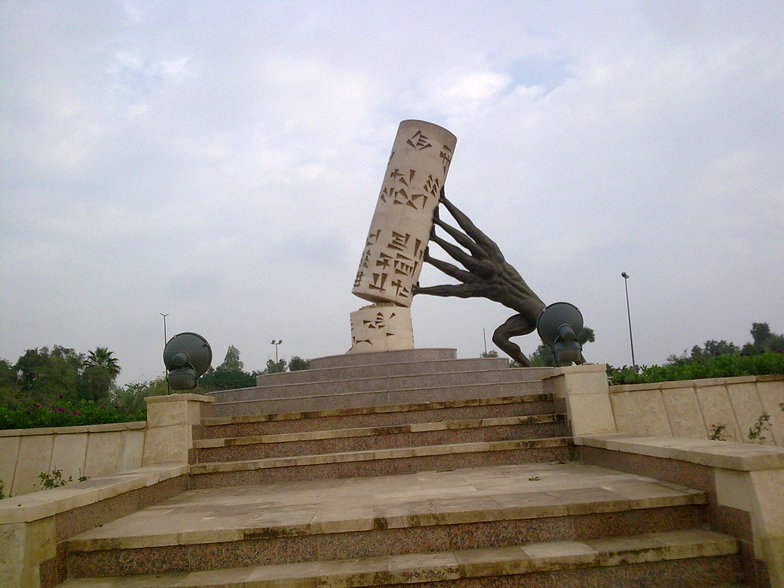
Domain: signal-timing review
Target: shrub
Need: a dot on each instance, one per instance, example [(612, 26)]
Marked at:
[(722, 366), (65, 414)]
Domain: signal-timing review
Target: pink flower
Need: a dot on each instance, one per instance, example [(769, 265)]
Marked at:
[(75, 413)]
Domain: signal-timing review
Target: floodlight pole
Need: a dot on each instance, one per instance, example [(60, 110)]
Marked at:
[(165, 338), (625, 277), (276, 343), (165, 341)]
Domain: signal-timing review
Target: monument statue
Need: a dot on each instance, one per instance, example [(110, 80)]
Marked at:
[(487, 274), (399, 230), (403, 223)]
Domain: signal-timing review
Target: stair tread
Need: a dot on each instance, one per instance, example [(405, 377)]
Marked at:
[(376, 454), (449, 565), (343, 433), (381, 408), (396, 501), (398, 391)]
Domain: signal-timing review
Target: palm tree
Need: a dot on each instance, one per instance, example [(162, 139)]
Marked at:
[(104, 358)]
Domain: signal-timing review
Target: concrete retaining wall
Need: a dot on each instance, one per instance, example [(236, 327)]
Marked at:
[(693, 408), (87, 450)]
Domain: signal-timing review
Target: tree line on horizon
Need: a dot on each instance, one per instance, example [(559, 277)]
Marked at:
[(60, 376), (48, 377)]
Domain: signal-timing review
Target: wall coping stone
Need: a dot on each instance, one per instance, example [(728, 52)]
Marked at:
[(179, 398), (586, 368), (102, 428), (46, 503), (718, 454), (695, 383)]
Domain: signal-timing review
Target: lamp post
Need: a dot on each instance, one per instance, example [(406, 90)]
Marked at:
[(276, 343), (165, 338), (165, 341), (625, 277)]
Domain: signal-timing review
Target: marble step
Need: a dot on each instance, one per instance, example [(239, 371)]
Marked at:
[(376, 462), (325, 520), (693, 558), (285, 389), (383, 357), (377, 416), (384, 437), (312, 402), (380, 370)]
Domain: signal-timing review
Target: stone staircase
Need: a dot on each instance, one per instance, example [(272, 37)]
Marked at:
[(404, 468)]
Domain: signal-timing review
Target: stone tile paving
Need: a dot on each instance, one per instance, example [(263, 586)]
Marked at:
[(340, 505)]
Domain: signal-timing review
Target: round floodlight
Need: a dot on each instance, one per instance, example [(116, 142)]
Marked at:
[(559, 325), (555, 318), (186, 356)]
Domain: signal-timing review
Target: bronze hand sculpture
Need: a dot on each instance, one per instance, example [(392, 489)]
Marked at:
[(488, 275)]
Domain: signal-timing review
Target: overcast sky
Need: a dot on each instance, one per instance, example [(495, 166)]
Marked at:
[(220, 162)]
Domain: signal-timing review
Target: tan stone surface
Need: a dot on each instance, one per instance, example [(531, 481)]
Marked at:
[(647, 410), (748, 408), (719, 454), (683, 412), (69, 454), (400, 229), (35, 455), (590, 413), (717, 410), (166, 445), (133, 450), (771, 394), (619, 400), (443, 566), (9, 449), (162, 414), (23, 546), (734, 489), (381, 327), (341, 505), (104, 452)]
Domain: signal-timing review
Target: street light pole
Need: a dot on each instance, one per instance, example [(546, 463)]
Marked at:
[(276, 343), (625, 277), (165, 338), (165, 341)]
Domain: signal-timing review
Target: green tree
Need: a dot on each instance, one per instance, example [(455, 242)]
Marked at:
[(130, 398), (45, 375), (274, 367), (10, 390), (489, 354), (94, 383), (227, 375), (99, 371), (232, 359), (102, 357), (763, 339), (296, 363)]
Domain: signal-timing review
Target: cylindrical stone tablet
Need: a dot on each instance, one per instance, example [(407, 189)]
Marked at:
[(392, 257), (381, 327)]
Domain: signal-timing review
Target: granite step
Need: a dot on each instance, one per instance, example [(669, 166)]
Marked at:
[(430, 512), (694, 558), (384, 437), (378, 462), (385, 357), (393, 369), (380, 397), (285, 389), (377, 416)]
